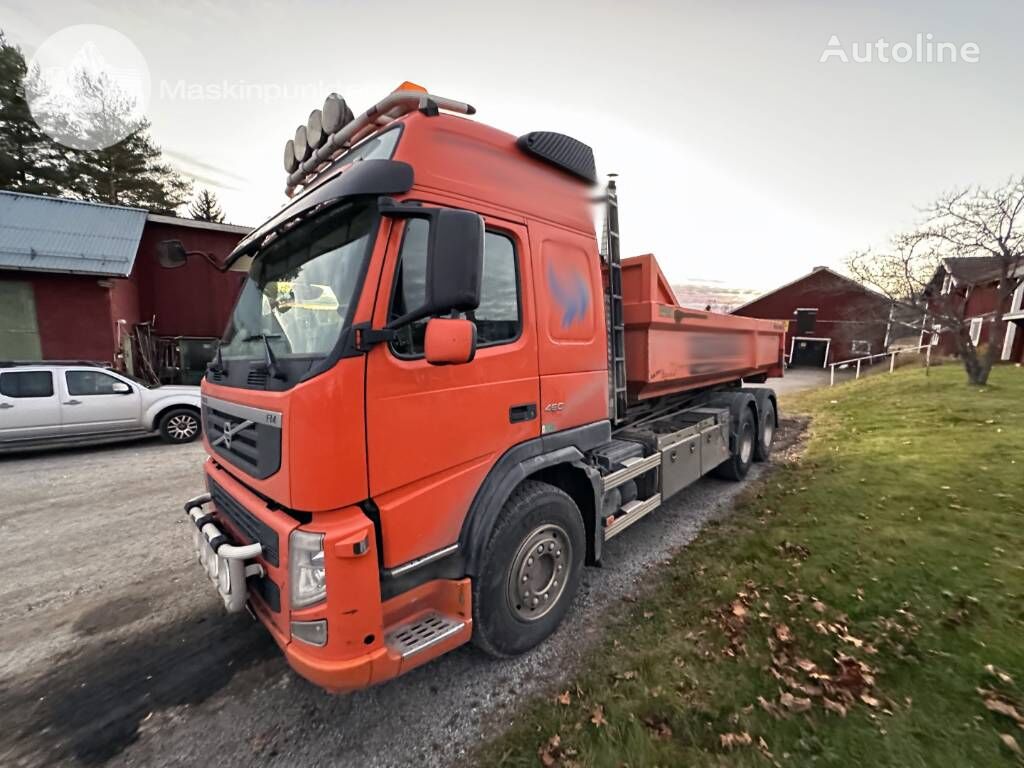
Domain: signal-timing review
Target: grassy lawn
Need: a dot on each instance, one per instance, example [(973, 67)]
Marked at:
[(864, 605)]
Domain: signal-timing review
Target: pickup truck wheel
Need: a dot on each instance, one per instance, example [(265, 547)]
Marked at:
[(765, 433), (531, 570), (180, 425), (738, 463)]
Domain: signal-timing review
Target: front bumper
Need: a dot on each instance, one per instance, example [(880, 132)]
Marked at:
[(226, 564)]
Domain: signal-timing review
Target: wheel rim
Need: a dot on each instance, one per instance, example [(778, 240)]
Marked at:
[(540, 570), (182, 427), (746, 447), (769, 431)]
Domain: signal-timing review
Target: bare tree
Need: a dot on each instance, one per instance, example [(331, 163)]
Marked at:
[(975, 223)]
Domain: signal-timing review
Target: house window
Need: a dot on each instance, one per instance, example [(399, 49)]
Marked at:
[(947, 284), (976, 330), (936, 333), (860, 347)]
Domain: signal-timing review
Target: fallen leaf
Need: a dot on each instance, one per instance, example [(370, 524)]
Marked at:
[(871, 701), (794, 703), (739, 609), (996, 672), (629, 674), (550, 751), (597, 716), (648, 614), (818, 606), (834, 707), (733, 740), (806, 665), (564, 698), (1011, 743), (782, 632), (1003, 708)]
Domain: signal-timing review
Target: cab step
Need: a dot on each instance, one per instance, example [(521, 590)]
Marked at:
[(409, 639), (629, 514)]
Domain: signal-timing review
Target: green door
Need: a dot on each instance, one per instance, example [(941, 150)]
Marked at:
[(19, 334)]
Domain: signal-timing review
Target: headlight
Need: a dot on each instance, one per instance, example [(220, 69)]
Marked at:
[(306, 569)]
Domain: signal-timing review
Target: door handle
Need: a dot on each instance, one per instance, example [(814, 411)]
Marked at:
[(72, 402), (5, 406), (518, 413)]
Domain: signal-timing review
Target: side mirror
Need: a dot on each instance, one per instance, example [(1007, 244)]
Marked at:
[(455, 262), (120, 388), (449, 341), (171, 254)]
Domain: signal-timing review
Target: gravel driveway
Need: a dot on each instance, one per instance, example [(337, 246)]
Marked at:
[(114, 648)]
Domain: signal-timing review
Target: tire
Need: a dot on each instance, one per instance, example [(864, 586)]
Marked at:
[(180, 425), (738, 463), (537, 516), (765, 432)]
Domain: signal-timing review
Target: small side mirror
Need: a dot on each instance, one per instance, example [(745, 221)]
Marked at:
[(171, 254), (449, 341), (120, 388)]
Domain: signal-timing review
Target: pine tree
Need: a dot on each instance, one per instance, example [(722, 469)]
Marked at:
[(30, 161), (206, 207)]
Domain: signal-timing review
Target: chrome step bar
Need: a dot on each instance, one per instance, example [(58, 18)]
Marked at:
[(409, 639), (630, 513), (631, 468)]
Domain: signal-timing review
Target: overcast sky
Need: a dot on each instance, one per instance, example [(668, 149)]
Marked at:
[(742, 158)]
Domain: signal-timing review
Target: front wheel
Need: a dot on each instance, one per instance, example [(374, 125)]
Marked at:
[(531, 570), (179, 425)]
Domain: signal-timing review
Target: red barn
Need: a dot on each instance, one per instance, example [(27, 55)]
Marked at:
[(77, 279), (975, 282), (831, 318)]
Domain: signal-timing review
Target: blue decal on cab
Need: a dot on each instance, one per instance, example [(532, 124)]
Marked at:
[(572, 294)]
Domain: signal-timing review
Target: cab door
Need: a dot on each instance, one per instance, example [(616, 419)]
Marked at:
[(433, 432)]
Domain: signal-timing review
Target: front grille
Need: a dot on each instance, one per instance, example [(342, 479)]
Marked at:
[(243, 520), (254, 443), (256, 379)]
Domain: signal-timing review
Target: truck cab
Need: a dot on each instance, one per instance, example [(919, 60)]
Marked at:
[(410, 419)]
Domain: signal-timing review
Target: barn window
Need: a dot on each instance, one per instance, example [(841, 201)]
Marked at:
[(976, 330), (947, 284), (860, 347)]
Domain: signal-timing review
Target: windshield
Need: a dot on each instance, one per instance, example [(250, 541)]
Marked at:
[(300, 287)]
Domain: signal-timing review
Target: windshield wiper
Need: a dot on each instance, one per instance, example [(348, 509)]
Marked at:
[(271, 360), (218, 362)]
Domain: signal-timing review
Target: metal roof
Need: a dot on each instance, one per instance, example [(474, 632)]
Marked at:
[(51, 234)]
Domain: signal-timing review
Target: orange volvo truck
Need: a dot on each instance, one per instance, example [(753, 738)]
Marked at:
[(437, 397)]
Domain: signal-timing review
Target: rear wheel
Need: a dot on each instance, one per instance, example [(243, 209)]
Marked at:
[(738, 463), (179, 425), (765, 432), (531, 570)]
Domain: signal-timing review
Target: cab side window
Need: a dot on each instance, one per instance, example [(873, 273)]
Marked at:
[(497, 318), (91, 383), (26, 384)]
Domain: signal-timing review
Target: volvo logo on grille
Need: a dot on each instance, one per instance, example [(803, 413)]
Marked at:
[(228, 431)]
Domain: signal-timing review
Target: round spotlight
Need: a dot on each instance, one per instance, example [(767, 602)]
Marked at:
[(335, 114), (302, 148), (290, 163), (315, 130)]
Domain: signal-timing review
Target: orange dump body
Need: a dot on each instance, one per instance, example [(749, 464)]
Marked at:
[(670, 349)]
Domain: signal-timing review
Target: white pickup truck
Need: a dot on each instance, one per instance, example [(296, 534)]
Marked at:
[(47, 404)]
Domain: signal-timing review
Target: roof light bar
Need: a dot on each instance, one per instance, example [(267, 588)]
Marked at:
[(308, 155)]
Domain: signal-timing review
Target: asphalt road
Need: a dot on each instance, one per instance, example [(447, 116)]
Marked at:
[(115, 650)]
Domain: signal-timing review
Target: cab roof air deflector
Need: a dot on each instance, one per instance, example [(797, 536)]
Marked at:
[(561, 151)]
